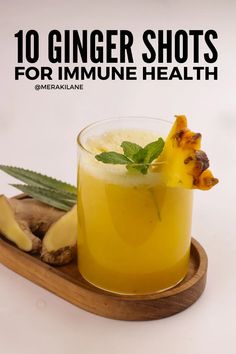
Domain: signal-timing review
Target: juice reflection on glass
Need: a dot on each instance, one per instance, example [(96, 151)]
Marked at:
[(134, 230)]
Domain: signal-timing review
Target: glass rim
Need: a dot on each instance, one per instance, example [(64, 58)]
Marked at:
[(117, 118)]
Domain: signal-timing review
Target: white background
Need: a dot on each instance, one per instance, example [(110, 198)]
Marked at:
[(38, 131)]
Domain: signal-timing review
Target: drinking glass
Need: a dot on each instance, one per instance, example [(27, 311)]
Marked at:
[(134, 231)]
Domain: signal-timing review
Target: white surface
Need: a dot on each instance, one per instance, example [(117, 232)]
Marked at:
[(38, 130)]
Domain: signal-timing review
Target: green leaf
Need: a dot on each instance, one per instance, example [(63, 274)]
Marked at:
[(140, 168), (113, 158), (153, 150), (135, 157), (130, 149), (140, 156), (37, 179), (150, 152), (47, 196)]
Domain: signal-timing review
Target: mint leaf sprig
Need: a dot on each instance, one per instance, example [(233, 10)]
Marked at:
[(135, 157)]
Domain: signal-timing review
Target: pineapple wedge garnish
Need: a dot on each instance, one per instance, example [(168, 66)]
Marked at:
[(185, 164)]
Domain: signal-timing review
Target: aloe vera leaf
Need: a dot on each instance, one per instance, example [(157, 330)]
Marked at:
[(37, 179), (47, 196)]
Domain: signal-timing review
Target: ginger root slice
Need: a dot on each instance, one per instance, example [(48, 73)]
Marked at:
[(27, 220), (16, 229), (59, 243), (39, 216), (24, 221)]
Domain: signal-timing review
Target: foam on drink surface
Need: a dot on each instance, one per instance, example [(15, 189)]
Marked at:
[(111, 141)]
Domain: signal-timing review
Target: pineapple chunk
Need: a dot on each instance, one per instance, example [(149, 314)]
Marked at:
[(186, 165)]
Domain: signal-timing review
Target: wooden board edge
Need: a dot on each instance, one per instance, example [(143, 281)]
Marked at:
[(108, 305)]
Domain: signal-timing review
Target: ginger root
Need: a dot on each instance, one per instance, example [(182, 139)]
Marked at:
[(25, 221), (59, 243)]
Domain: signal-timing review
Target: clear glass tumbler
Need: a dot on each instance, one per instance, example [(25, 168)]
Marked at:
[(134, 230)]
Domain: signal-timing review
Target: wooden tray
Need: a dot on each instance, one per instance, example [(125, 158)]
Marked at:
[(66, 282)]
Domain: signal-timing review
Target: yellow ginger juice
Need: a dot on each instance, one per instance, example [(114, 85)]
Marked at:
[(134, 230)]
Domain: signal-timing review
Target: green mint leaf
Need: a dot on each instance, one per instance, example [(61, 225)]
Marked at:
[(153, 150), (130, 149), (135, 157), (113, 158), (140, 168), (140, 156), (150, 152)]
